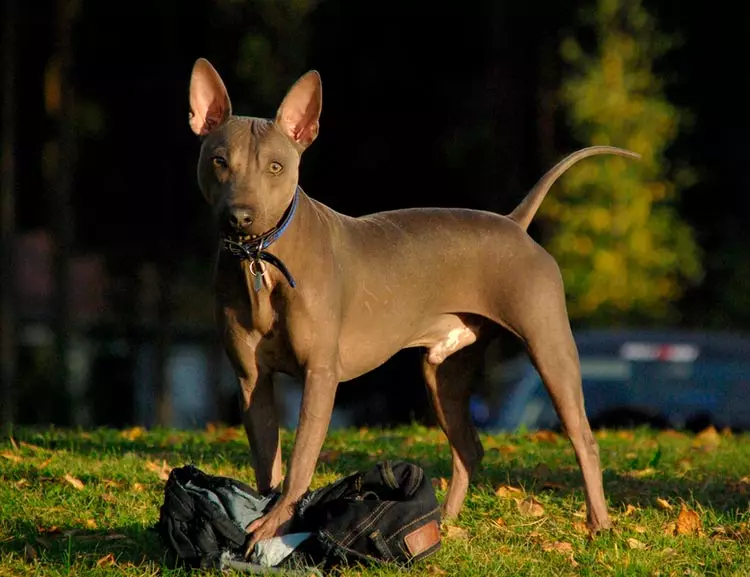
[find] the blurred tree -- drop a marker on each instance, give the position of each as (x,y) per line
(624,251)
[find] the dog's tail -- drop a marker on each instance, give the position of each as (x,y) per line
(524,213)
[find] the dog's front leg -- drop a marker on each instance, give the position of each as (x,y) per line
(262,427)
(315,415)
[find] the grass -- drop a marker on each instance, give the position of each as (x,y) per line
(81,503)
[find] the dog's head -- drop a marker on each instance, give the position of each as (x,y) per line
(249,167)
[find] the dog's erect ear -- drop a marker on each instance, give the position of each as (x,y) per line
(299,113)
(209,101)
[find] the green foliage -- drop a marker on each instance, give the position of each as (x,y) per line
(623,249)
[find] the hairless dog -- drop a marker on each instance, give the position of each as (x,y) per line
(304,290)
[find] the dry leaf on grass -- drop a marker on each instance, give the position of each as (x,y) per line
(629,510)
(707,440)
(90,524)
(663,504)
(137,487)
(499,523)
(581,527)
(11,456)
(453,532)
(506,491)
(44,464)
(688,522)
(640,529)
(544,436)
(558,546)
(228,434)
(22,482)
(107,561)
(530,507)
(435,570)
(31,447)
(132,433)
(440,483)
(162,470)
(76,483)
(625,435)
(647,472)
(636,544)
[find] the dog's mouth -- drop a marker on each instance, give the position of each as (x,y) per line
(241,238)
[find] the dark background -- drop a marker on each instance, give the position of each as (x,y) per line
(443,104)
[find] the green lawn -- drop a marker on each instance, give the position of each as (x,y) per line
(81,503)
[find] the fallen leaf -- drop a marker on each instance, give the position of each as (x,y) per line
(228,434)
(558,546)
(138,487)
(635,543)
(29,553)
(11,456)
(107,561)
(22,482)
(453,532)
(77,483)
(506,491)
(109,498)
(162,470)
(507,449)
(663,504)
(688,522)
(499,523)
(31,447)
(435,570)
(112,484)
(210,428)
(625,435)
(13,443)
(668,551)
(640,529)
(647,472)
(673,434)
(44,464)
(440,483)
(132,433)
(90,524)
(530,507)
(48,530)
(670,528)
(544,435)
(601,433)
(581,527)
(707,440)
(629,510)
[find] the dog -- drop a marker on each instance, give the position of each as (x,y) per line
(304,290)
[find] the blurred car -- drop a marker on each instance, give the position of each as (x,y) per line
(664,379)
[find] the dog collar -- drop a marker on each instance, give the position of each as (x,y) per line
(255,250)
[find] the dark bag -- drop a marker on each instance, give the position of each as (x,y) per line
(206,515)
(387,513)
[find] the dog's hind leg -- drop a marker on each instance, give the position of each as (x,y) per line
(448,384)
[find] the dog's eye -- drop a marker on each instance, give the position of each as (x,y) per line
(219,161)
(275,167)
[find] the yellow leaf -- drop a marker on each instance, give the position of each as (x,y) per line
(640,529)
(133,433)
(44,464)
(90,524)
(440,483)
(626,435)
(453,532)
(530,507)
(77,483)
(558,546)
(647,472)
(663,504)
(499,523)
(162,470)
(708,439)
(506,491)
(544,436)
(629,510)
(635,543)
(106,561)
(688,522)
(11,456)
(35,448)
(137,487)
(581,527)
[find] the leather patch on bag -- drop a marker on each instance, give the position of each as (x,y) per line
(419,540)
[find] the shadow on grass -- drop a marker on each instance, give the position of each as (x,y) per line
(69,547)
(558,475)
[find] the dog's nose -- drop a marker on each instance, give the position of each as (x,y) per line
(239,220)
